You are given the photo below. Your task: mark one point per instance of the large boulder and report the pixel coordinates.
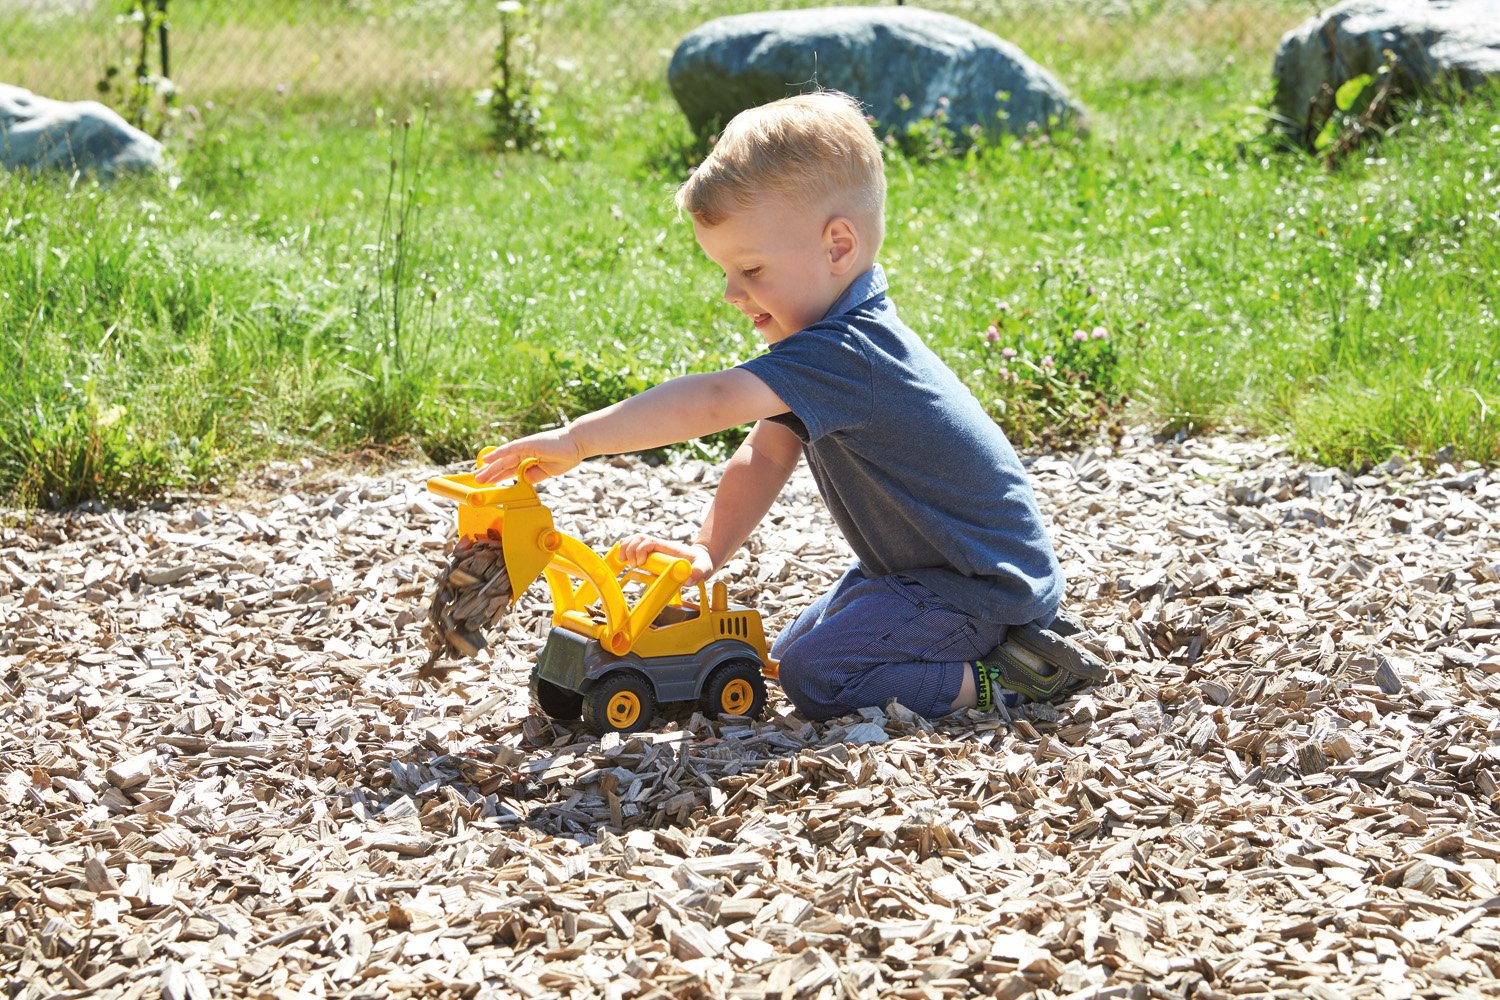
(1434, 42)
(37, 133)
(904, 63)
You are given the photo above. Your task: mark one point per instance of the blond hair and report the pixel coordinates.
(813, 149)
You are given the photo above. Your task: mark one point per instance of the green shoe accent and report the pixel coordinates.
(984, 688)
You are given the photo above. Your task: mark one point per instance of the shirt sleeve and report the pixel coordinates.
(823, 375)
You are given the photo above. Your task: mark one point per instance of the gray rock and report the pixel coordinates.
(1435, 42)
(904, 63)
(37, 133)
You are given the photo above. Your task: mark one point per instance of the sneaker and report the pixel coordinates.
(1037, 663)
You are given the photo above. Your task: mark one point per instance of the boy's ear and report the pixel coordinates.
(841, 242)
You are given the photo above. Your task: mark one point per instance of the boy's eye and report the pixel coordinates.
(751, 272)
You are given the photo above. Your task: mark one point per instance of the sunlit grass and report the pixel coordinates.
(162, 333)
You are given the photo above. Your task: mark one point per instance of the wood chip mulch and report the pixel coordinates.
(223, 772)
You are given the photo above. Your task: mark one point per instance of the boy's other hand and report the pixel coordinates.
(637, 548)
(554, 451)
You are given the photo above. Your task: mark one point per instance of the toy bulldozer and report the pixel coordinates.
(613, 656)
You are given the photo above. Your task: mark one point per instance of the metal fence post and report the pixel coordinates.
(161, 38)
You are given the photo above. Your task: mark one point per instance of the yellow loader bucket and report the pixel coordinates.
(523, 523)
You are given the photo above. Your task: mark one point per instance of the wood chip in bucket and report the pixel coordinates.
(472, 594)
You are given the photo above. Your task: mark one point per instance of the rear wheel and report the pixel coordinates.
(554, 701)
(620, 703)
(736, 688)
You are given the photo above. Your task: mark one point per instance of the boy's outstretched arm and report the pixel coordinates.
(677, 410)
(750, 484)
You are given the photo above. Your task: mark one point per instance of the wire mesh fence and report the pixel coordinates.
(76, 49)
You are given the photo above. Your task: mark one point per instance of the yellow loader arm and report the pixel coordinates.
(532, 545)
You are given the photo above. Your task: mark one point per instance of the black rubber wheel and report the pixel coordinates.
(735, 688)
(620, 703)
(555, 702)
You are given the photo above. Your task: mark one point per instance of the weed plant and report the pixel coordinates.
(516, 96)
(390, 350)
(1049, 373)
(145, 96)
(159, 334)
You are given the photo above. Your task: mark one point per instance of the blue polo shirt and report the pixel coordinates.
(917, 476)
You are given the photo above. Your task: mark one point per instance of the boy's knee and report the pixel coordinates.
(800, 682)
(790, 670)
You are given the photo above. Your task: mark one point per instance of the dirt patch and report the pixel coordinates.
(222, 774)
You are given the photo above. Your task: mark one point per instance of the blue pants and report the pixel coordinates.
(872, 639)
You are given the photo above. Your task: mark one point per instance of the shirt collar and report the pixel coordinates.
(861, 290)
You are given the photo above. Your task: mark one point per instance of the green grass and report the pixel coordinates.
(161, 334)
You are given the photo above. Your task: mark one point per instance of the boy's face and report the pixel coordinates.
(780, 265)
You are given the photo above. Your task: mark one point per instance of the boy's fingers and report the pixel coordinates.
(636, 548)
(504, 465)
(494, 471)
(493, 465)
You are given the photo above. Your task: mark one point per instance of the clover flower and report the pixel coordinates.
(1008, 352)
(1100, 333)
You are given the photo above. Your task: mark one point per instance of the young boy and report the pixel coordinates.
(955, 577)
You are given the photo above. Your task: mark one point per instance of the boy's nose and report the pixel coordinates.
(732, 292)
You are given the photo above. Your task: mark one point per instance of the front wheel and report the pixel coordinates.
(736, 688)
(620, 703)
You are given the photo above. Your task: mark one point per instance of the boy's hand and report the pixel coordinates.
(636, 548)
(555, 452)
